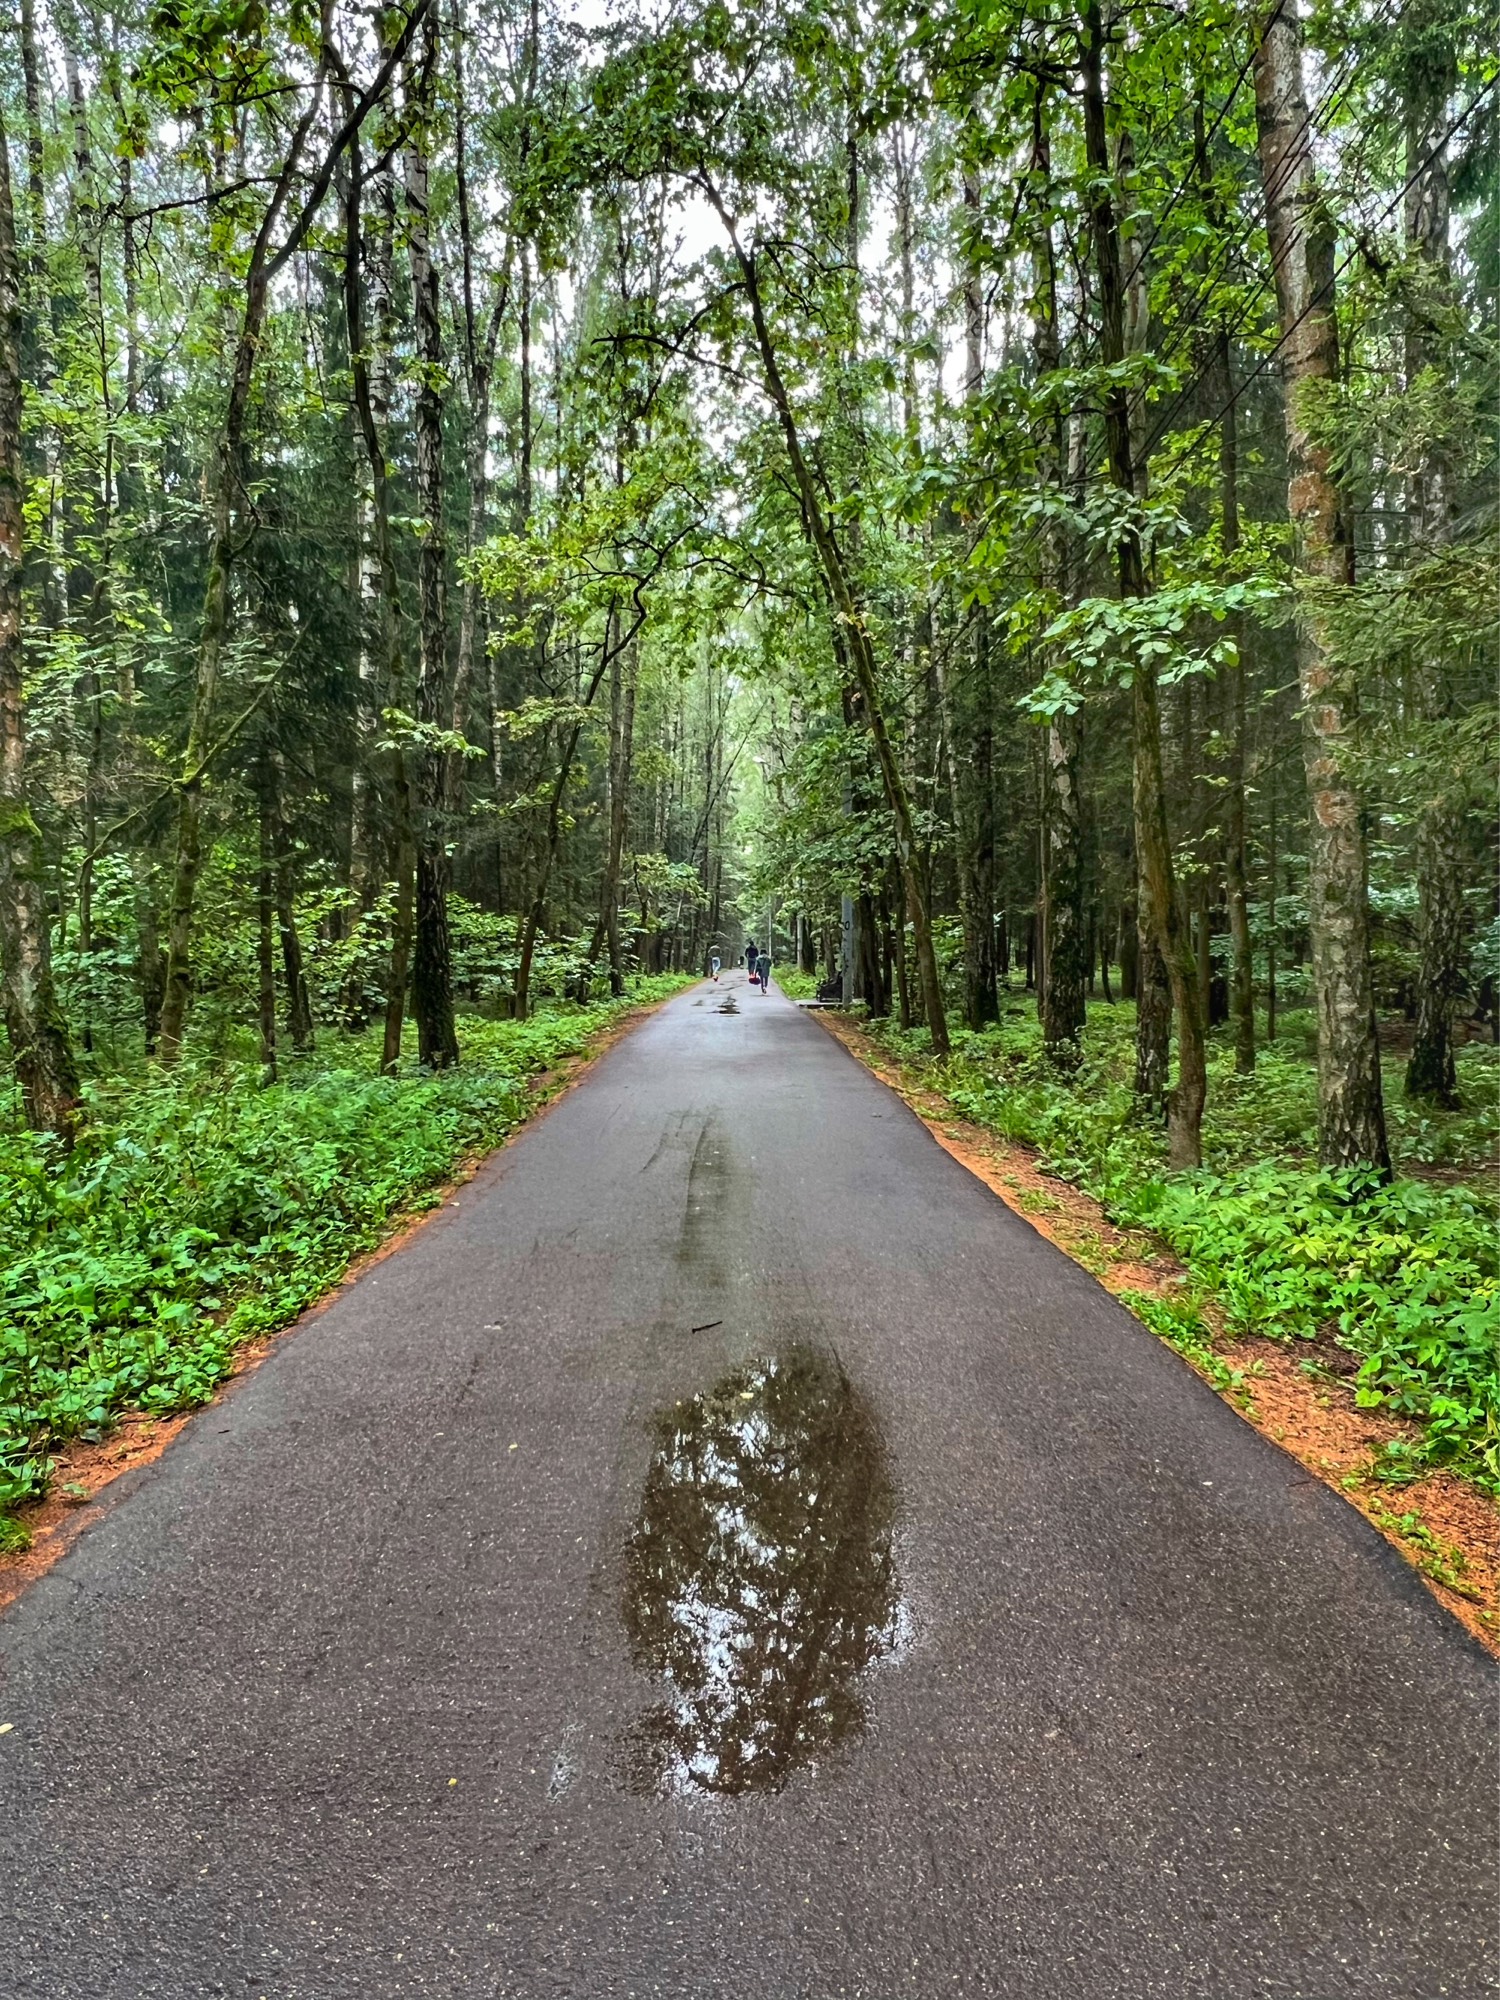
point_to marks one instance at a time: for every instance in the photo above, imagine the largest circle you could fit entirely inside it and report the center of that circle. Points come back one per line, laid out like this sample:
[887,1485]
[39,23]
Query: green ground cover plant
[1403,1276]
[203,1207]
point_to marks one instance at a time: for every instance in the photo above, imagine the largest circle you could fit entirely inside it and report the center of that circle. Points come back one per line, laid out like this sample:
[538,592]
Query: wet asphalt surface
[917,1626]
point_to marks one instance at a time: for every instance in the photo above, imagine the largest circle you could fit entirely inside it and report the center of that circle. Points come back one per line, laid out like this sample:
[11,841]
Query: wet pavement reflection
[760,1576]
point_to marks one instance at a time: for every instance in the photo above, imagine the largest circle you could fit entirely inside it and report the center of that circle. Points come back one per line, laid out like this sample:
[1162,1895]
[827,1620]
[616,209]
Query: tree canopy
[1003,493]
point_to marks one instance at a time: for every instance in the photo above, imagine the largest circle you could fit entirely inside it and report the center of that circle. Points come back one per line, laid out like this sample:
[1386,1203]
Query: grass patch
[203,1208]
[1405,1276]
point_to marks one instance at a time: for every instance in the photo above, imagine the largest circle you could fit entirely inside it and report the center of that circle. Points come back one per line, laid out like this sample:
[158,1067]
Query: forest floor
[205,1212]
[1315,1380]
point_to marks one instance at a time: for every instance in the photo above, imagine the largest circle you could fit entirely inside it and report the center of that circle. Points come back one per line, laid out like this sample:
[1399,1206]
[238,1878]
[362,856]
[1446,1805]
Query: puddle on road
[760,1577]
[727,1007]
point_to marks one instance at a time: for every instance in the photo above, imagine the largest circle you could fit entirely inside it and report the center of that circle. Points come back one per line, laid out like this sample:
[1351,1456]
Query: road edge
[1239,1369]
[84,1475]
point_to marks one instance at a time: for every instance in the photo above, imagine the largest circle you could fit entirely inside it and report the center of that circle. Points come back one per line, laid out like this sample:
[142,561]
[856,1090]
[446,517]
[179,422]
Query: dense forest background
[495,502]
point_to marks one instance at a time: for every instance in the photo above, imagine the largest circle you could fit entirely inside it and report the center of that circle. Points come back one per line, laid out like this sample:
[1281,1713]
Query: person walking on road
[764,967]
[751,958]
[713,966]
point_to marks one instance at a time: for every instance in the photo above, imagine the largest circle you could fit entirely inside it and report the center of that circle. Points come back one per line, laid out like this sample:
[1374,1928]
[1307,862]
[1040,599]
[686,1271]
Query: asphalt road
[728,1554]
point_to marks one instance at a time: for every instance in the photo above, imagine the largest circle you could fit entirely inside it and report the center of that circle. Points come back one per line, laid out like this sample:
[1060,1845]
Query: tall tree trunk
[432,963]
[1442,919]
[978,1002]
[265,916]
[214,627]
[871,967]
[1129,947]
[531,927]
[860,647]
[621,747]
[970,773]
[1153,1016]
[1063,1004]
[41,308]
[1062,997]
[379,674]
[369,349]
[1241,969]
[479,345]
[1351,1114]
[36,165]
[39,1042]
[1152,837]
[1236,892]
[1273,859]
[299,1021]
[150,966]
[1153,1006]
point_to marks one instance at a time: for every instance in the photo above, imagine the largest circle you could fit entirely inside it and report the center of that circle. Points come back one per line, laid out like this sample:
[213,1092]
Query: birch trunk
[1351,1115]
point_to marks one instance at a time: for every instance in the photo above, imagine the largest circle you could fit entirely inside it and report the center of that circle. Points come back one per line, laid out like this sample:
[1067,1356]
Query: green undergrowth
[204,1207]
[795,985]
[1403,1276]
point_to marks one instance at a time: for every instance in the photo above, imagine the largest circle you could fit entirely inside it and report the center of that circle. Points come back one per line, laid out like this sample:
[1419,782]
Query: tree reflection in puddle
[760,1577]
